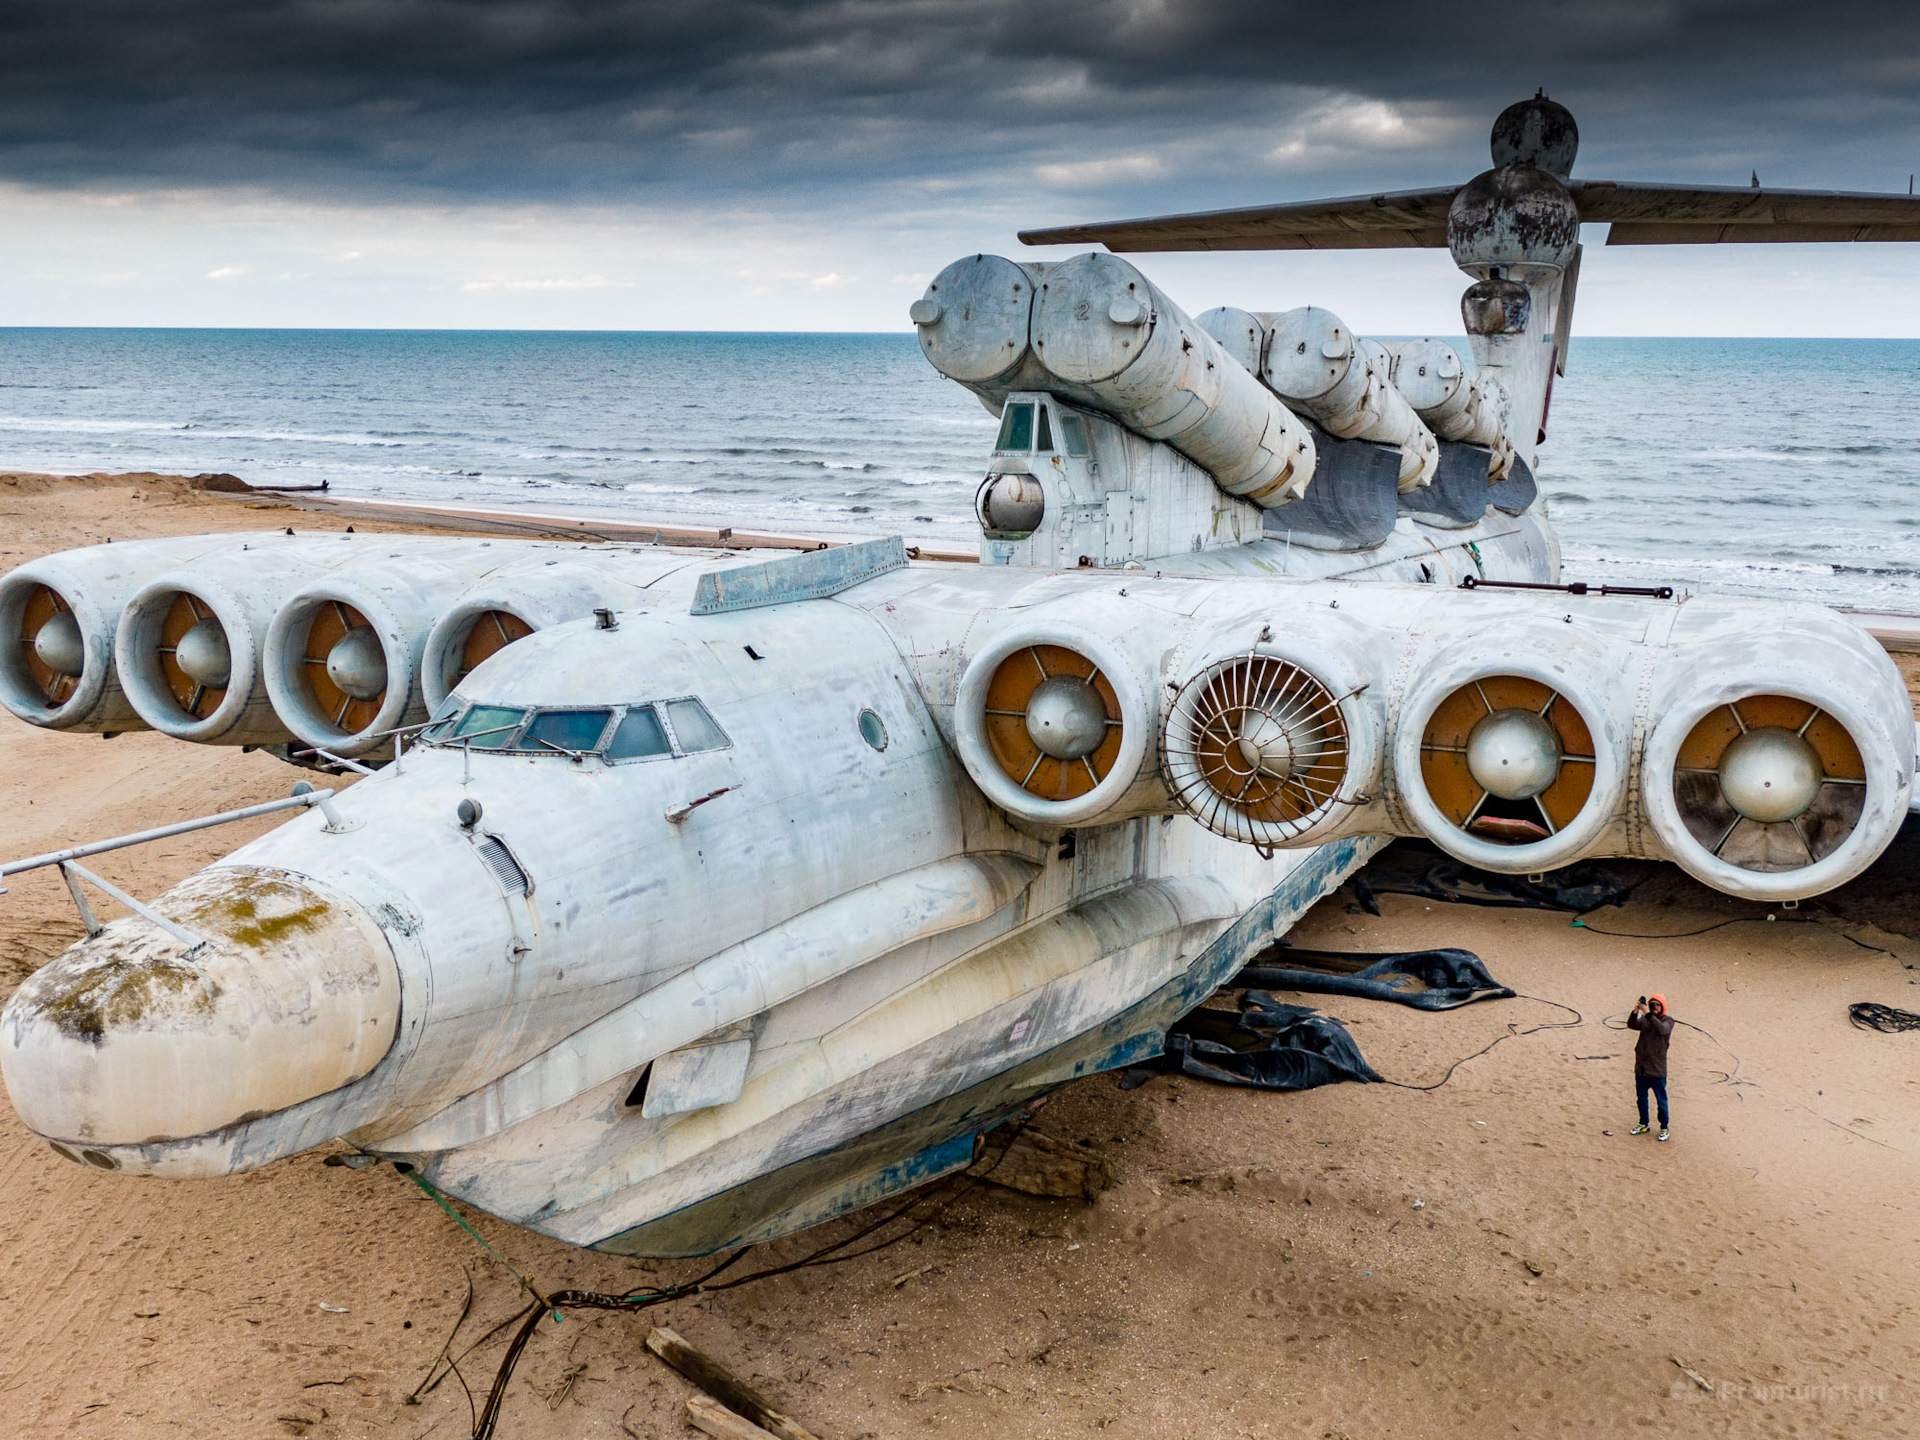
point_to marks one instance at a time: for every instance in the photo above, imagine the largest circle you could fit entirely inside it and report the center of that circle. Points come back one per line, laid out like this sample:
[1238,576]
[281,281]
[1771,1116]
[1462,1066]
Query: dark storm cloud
[759,104]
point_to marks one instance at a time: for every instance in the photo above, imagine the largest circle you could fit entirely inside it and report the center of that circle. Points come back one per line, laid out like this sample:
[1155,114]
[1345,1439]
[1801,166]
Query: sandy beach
[1493,1257]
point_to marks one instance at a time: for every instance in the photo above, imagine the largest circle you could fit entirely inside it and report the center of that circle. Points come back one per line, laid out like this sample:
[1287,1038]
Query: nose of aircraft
[135,1037]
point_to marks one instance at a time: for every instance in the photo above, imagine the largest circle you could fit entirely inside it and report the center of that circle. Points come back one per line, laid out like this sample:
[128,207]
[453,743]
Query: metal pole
[179,932]
[163,832]
[87,917]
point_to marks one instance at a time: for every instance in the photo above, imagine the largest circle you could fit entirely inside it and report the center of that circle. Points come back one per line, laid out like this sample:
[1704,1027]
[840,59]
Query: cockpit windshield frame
[517,737]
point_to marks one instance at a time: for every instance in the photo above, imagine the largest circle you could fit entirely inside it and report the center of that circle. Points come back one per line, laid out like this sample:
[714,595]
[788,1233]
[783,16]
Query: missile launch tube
[1099,323]
[1454,402]
[1312,360]
[1098,333]
[58,616]
[974,323]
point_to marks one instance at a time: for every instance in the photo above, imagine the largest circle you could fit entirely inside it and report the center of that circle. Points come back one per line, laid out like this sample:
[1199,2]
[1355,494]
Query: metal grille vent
[499,859]
[1257,749]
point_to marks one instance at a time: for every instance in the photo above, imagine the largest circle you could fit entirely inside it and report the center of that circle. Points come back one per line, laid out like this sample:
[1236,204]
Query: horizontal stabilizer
[1647,214]
[1640,214]
[1396,220]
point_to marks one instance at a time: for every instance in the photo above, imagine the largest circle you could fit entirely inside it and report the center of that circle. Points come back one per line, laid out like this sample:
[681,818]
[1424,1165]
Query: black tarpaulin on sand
[1270,1045]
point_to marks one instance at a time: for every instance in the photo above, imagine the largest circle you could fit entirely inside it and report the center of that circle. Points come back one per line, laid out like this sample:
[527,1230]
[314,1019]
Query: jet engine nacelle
[1511,743]
[1054,722]
[343,653]
[1776,739]
[59,615]
[1781,763]
[188,645]
[1273,738]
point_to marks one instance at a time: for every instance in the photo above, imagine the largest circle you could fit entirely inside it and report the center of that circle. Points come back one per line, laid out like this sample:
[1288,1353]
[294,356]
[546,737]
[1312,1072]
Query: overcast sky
[709,164]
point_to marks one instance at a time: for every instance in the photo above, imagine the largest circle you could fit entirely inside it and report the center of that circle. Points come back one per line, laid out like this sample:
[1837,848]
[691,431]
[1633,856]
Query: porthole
[873,730]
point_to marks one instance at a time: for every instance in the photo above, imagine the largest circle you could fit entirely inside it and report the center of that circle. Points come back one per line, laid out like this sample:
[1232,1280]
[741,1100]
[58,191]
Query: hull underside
[941,1136]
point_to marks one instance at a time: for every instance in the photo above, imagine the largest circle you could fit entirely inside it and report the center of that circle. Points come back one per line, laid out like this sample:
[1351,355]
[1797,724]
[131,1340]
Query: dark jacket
[1650,1051]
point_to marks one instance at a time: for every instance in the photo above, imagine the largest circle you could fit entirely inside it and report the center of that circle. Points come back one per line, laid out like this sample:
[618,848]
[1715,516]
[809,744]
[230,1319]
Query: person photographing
[1650,1018]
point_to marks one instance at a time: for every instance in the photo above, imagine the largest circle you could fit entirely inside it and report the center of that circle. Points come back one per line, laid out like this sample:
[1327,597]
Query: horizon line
[570,330]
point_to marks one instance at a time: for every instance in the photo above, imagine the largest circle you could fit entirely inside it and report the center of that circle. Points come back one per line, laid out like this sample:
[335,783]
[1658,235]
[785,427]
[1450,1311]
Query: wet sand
[1259,1268]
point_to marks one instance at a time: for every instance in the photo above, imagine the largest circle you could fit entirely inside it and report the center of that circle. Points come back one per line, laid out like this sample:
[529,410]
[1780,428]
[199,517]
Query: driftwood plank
[732,1393]
[710,1417]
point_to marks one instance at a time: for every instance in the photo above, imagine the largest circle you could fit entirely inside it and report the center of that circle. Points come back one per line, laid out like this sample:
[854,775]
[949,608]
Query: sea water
[1785,467]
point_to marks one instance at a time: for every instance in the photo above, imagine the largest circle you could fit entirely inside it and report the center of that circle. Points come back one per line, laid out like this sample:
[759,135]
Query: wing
[1640,214]
[1398,219]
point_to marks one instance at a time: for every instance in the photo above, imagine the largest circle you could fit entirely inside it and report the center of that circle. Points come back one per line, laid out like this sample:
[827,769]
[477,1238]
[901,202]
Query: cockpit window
[576,730]
[1016,428]
[1045,442]
[693,727]
[442,721]
[639,735]
[1075,430]
[640,731]
[488,727]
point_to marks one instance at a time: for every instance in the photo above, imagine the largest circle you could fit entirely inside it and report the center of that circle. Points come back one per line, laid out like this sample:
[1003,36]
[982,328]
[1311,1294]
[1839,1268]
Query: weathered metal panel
[814,575]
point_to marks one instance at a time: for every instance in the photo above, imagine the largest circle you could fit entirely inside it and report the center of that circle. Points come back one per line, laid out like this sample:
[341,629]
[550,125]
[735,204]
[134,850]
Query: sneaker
[1638,1130]
[1663,1133]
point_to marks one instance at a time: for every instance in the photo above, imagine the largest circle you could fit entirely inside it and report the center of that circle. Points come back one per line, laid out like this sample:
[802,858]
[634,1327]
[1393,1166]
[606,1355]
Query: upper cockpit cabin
[1043,426]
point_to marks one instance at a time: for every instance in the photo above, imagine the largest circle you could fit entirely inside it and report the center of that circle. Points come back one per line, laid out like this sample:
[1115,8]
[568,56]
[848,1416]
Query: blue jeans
[1658,1085]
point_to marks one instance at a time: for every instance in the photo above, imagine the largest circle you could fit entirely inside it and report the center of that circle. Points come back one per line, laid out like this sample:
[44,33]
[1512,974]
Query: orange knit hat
[1658,999]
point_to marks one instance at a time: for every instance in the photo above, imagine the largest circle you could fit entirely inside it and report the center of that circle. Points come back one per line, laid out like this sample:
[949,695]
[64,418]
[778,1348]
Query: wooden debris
[735,1397]
[1692,1374]
[710,1417]
[1036,1164]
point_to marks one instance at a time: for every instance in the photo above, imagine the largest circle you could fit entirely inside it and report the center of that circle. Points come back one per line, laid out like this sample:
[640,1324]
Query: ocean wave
[69,424]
